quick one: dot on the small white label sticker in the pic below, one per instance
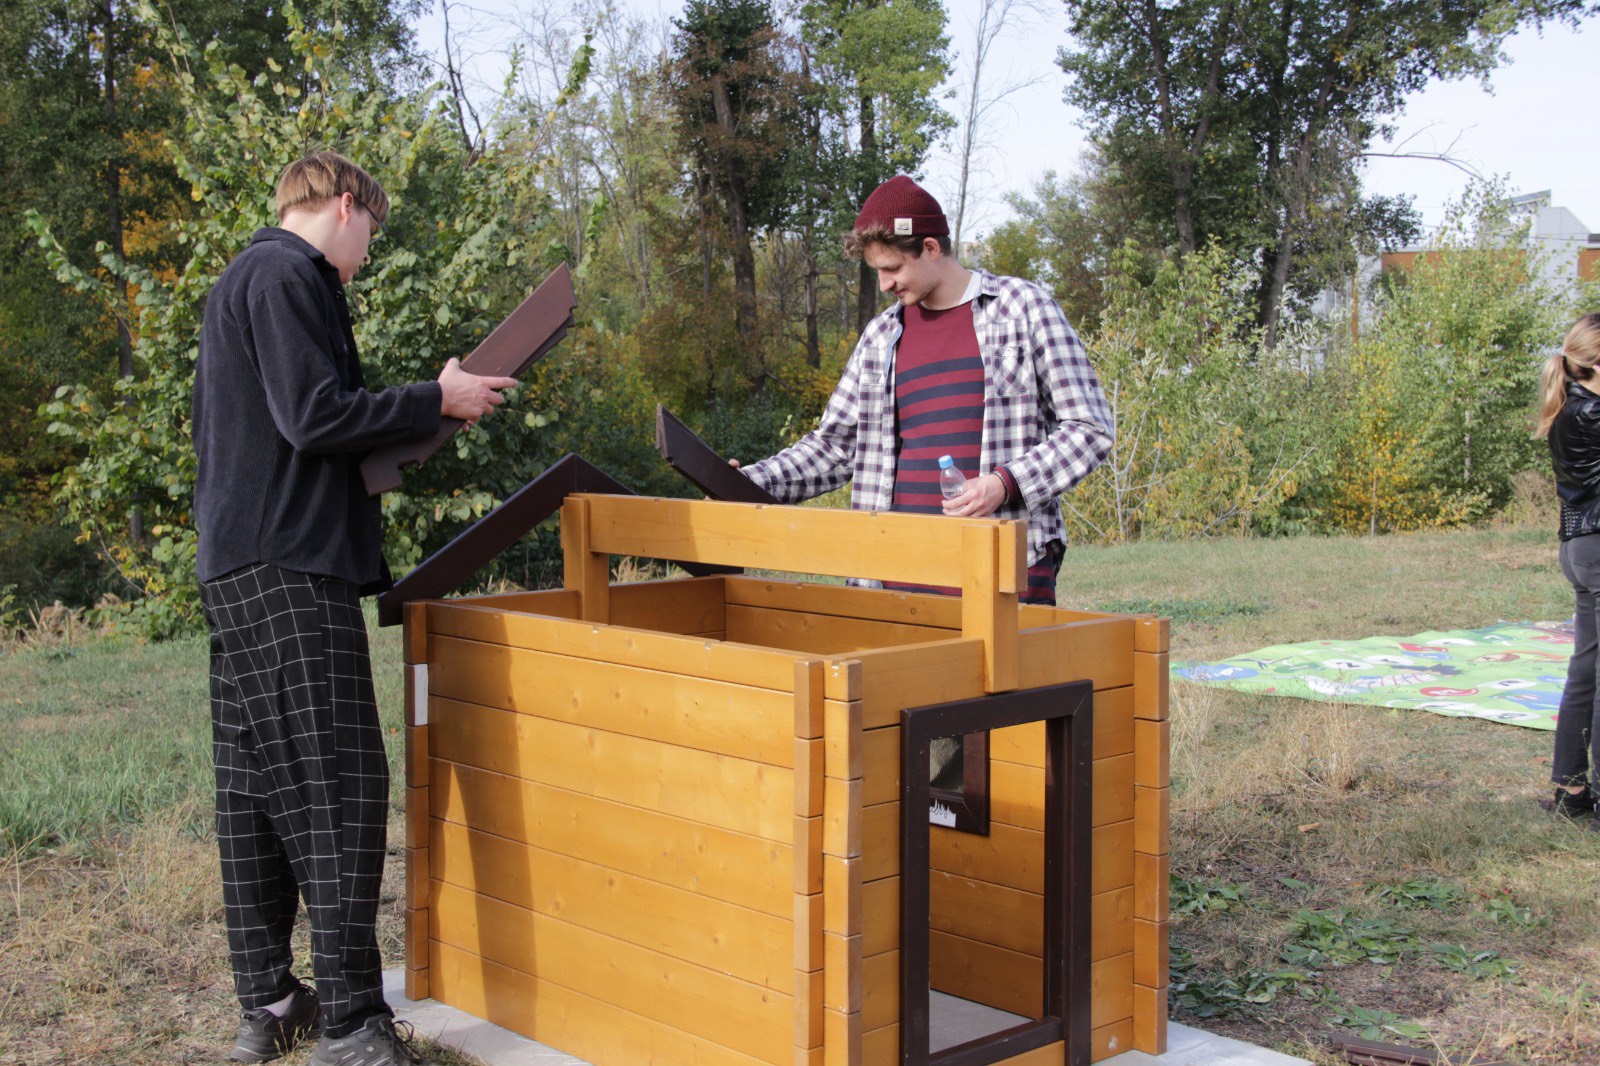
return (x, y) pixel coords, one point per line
(902, 227)
(419, 694)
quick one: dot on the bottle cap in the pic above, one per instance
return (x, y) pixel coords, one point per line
(945, 462)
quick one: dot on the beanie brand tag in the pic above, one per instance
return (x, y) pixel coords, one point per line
(902, 227)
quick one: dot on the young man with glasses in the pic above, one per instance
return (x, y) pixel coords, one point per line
(289, 541)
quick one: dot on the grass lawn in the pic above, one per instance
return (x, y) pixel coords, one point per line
(1433, 903)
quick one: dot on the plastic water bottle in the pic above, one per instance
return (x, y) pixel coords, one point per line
(951, 481)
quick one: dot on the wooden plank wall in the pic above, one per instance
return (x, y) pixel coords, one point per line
(414, 656)
(986, 925)
(985, 558)
(1152, 839)
(987, 892)
(598, 896)
(833, 619)
(621, 832)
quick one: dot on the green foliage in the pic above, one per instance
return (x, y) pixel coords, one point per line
(1504, 910)
(1435, 395)
(1218, 995)
(877, 67)
(1417, 892)
(1479, 965)
(1339, 937)
(1249, 990)
(455, 261)
(1317, 941)
(1236, 124)
(85, 106)
(1375, 1023)
(735, 105)
(1197, 897)
(1068, 235)
(737, 114)
(42, 562)
(1210, 437)
(1475, 318)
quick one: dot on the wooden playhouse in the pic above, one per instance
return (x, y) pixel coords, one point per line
(661, 822)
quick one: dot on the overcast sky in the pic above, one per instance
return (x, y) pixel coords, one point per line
(1535, 125)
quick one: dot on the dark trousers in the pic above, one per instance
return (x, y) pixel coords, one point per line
(302, 786)
(1576, 749)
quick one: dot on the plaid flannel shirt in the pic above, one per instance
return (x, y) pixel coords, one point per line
(1045, 417)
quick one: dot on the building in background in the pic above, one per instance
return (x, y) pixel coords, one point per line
(1561, 245)
(1557, 243)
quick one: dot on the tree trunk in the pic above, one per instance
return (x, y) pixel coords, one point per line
(844, 300)
(114, 189)
(1276, 278)
(813, 340)
(808, 199)
(1275, 266)
(701, 195)
(737, 197)
(1177, 158)
(867, 294)
(744, 278)
(114, 228)
(1183, 207)
(1183, 151)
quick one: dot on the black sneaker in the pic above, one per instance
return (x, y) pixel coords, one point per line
(1573, 804)
(381, 1042)
(263, 1036)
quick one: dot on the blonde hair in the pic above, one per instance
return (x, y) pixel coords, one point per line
(1576, 360)
(323, 175)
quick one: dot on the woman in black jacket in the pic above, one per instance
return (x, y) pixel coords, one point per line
(1569, 416)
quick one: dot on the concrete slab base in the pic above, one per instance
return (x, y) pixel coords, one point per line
(951, 1022)
(469, 1034)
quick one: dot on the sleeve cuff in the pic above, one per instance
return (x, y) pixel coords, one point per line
(424, 400)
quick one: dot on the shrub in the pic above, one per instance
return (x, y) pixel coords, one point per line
(1204, 440)
(454, 264)
(1438, 390)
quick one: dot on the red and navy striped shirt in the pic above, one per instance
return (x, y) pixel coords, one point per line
(938, 376)
(938, 379)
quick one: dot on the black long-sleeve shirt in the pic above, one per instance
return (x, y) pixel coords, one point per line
(282, 420)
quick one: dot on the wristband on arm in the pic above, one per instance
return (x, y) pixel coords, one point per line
(1012, 492)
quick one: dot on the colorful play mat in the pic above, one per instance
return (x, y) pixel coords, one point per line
(1509, 672)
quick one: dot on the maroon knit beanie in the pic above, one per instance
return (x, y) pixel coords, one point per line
(905, 209)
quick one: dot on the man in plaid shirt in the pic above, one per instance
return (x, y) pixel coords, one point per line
(983, 368)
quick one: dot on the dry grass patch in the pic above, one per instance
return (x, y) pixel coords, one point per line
(112, 947)
(1420, 834)
(1339, 866)
(111, 953)
(117, 952)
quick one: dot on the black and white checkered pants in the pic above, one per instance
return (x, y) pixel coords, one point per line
(302, 786)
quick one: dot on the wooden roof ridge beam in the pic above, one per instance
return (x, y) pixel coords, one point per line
(455, 564)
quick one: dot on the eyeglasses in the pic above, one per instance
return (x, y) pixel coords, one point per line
(382, 230)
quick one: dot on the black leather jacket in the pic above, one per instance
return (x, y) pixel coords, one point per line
(1575, 452)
